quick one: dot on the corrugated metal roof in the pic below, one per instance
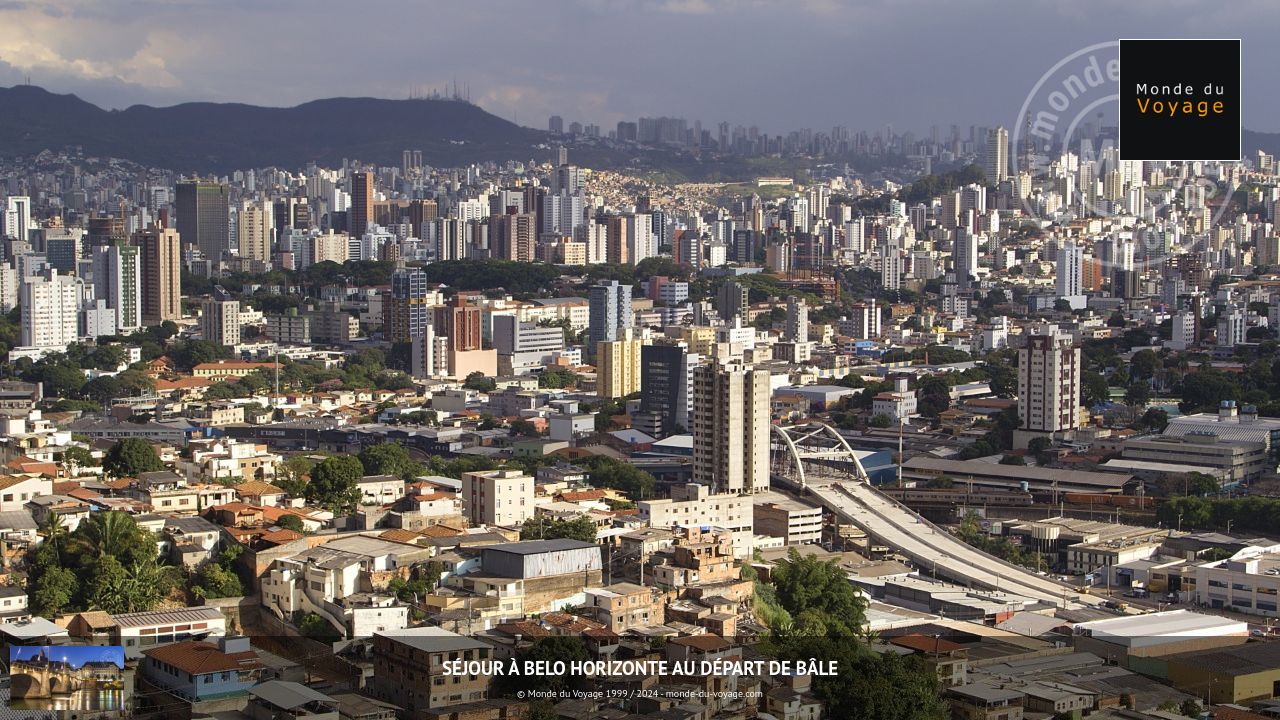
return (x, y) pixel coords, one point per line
(168, 617)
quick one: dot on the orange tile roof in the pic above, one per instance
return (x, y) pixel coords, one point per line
(440, 531)
(257, 487)
(527, 628)
(580, 495)
(926, 644)
(198, 657)
(82, 494)
(280, 537)
(184, 383)
(400, 535)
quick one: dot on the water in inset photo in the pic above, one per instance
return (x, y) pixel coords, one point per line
(67, 678)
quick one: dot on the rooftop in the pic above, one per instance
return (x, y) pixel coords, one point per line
(198, 657)
(434, 639)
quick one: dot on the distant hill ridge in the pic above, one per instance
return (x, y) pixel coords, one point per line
(219, 137)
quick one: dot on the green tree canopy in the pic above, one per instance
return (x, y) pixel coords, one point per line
(131, 456)
(334, 483)
(806, 584)
(540, 528)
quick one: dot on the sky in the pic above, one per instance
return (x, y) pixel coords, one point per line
(776, 64)
(77, 655)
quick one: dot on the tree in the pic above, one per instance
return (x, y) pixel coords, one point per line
(77, 458)
(386, 459)
(291, 475)
(935, 395)
(1156, 419)
(479, 381)
(292, 522)
(1042, 448)
(1062, 305)
(334, 483)
(1010, 459)
(129, 457)
(540, 528)
(317, 628)
(1093, 389)
(880, 421)
(557, 377)
(805, 583)
(112, 533)
(216, 580)
(524, 428)
(1137, 394)
(52, 590)
(101, 389)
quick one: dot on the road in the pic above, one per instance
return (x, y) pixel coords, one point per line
(929, 546)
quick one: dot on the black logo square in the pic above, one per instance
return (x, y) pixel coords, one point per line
(1180, 100)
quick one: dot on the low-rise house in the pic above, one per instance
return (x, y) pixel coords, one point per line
(380, 489)
(256, 492)
(135, 631)
(277, 699)
(201, 671)
(16, 490)
(13, 604)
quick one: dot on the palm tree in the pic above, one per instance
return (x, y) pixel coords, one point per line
(147, 582)
(55, 533)
(105, 533)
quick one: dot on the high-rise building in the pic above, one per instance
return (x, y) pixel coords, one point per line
(1184, 330)
(50, 310)
(666, 390)
(1232, 327)
(254, 227)
(204, 216)
(996, 161)
(220, 318)
(863, 322)
(161, 255)
(610, 308)
(643, 243)
(731, 427)
(966, 256)
(117, 279)
(618, 365)
(617, 246)
(797, 325)
(731, 301)
(1070, 270)
(1049, 382)
(360, 213)
(406, 311)
(460, 323)
(514, 236)
(555, 125)
(497, 497)
(17, 217)
(62, 248)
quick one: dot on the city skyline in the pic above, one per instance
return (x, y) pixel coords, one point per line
(122, 55)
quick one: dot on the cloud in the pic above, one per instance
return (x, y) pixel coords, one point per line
(778, 64)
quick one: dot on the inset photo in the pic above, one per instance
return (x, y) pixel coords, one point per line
(72, 680)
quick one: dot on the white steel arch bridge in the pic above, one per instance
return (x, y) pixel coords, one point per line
(815, 460)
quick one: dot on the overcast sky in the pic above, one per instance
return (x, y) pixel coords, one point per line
(778, 64)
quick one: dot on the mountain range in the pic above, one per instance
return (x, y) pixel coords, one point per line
(221, 137)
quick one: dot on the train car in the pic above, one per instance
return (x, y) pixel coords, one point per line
(1134, 502)
(957, 496)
